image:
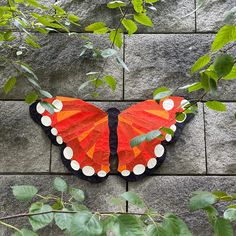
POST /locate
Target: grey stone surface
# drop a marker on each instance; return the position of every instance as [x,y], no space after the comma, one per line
[23,145]
[60,69]
[171,194]
[165,60]
[186,156]
[98,196]
[213,14]
[165,19]
[221,140]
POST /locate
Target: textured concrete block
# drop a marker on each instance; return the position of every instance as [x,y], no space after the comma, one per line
[165,60]
[23,145]
[212,15]
[169,16]
[60,69]
[187,155]
[98,196]
[221,140]
[172,194]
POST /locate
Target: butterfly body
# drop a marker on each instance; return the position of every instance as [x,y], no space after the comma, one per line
[94,142]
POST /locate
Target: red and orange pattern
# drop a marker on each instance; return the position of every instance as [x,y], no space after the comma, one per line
[82,130]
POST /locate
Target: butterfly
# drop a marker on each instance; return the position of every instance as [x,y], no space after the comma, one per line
[91,139]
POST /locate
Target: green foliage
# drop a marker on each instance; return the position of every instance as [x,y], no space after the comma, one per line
[200,63]
[133,198]
[31,97]
[9,85]
[130,26]
[223,64]
[24,192]
[60,184]
[116,4]
[216,105]
[161,92]
[143,19]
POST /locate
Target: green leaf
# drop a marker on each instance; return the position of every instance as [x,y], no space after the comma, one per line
[25,232]
[168,131]
[95,26]
[31,42]
[200,63]
[143,19]
[24,192]
[57,205]
[40,221]
[63,220]
[49,107]
[77,194]
[231,75]
[59,10]
[116,37]
[138,5]
[194,87]
[223,227]
[202,200]
[129,25]
[225,35]
[156,230]
[133,198]
[31,97]
[128,225]
[212,214]
[223,64]
[122,63]
[151,1]
[137,140]
[60,184]
[175,226]
[111,81]
[230,214]
[34,83]
[153,134]
[161,92]
[73,18]
[86,224]
[213,86]
[117,201]
[45,94]
[9,85]
[28,69]
[116,4]
[216,105]
[109,52]
[108,223]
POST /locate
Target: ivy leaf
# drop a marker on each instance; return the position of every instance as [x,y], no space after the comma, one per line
[216,105]
[63,220]
[40,221]
[138,5]
[143,19]
[223,227]
[133,198]
[200,63]
[77,194]
[24,192]
[31,97]
[130,26]
[60,184]
[116,37]
[137,140]
[230,214]
[153,134]
[128,225]
[95,26]
[111,81]
[223,64]
[25,232]
[86,224]
[160,93]
[231,75]
[9,85]
[116,4]
[202,200]
[225,35]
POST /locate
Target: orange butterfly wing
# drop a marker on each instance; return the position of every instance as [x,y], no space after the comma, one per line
[81,129]
[139,119]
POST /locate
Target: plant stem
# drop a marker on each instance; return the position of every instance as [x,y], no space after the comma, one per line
[10,226]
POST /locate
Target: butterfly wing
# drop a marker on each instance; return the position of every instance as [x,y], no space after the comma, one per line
[142,118]
[81,129]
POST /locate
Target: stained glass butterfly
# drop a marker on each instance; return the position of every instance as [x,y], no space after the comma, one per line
[91,138]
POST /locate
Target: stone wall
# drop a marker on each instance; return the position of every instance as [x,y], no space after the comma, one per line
[204,157]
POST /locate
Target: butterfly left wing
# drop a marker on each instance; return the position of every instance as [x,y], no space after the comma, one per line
[81,130]
[142,118]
